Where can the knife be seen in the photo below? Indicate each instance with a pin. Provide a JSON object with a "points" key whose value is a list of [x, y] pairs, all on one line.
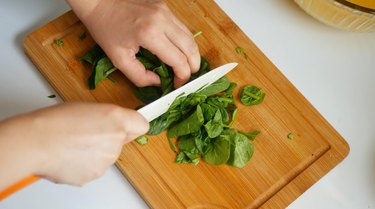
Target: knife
{"points": [[150, 112], [161, 105]]}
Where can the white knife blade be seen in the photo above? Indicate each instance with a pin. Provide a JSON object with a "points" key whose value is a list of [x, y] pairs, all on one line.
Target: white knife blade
{"points": [[161, 105]]}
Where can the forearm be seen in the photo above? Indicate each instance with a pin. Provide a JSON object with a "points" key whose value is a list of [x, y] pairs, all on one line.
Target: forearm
{"points": [[18, 158], [83, 7]]}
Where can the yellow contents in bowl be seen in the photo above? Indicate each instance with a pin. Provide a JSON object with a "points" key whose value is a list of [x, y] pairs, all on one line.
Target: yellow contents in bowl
{"points": [[370, 4], [352, 15]]}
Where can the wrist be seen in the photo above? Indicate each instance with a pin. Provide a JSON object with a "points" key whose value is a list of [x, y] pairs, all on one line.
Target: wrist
{"points": [[82, 8], [20, 155]]}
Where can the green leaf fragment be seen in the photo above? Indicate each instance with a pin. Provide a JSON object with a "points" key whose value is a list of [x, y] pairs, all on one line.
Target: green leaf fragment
{"points": [[239, 50], [251, 135], [142, 140], [59, 43], [198, 33], [290, 136], [82, 36]]}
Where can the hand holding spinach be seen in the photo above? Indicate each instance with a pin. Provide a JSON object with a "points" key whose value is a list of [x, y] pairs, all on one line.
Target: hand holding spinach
{"points": [[122, 27]]}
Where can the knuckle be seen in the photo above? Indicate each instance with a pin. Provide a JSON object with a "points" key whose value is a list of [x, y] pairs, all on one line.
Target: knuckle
{"points": [[148, 29], [194, 57], [181, 68], [116, 115], [119, 61], [181, 62], [192, 49]]}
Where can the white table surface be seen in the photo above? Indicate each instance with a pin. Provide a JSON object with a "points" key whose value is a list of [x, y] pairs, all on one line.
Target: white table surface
{"points": [[334, 70]]}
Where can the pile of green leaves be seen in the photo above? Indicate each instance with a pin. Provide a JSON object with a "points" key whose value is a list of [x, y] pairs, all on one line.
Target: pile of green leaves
{"points": [[200, 122]]}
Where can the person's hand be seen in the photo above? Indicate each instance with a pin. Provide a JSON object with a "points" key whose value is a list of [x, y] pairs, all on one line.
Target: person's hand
{"points": [[120, 27], [71, 143]]}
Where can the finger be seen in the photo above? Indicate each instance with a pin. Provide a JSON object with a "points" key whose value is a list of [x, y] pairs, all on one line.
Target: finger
{"points": [[172, 56], [184, 40], [181, 25], [135, 125], [125, 60]]}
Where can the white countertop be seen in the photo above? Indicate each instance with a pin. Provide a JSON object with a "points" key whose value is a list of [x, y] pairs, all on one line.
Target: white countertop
{"points": [[334, 70]]}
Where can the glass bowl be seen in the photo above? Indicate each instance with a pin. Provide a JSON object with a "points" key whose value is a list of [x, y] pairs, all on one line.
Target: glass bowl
{"points": [[351, 15]]}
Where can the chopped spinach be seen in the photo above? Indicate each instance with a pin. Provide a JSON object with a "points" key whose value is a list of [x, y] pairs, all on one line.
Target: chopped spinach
{"points": [[142, 140], [59, 43], [201, 122], [252, 95], [252, 135], [240, 50], [198, 33], [189, 125], [290, 136], [82, 36]]}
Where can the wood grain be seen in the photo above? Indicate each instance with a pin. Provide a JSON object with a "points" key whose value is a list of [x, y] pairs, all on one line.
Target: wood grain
{"points": [[280, 170]]}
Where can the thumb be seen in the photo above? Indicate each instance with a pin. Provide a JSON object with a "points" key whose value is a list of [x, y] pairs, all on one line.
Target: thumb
{"points": [[135, 124], [133, 69]]}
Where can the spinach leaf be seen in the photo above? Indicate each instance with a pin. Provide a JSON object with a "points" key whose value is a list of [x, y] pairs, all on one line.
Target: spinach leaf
{"points": [[217, 87], [147, 94], [252, 135], [187, 145], [215, 126], [204, 68], [149, 56], [94, 54], [165, 79], [241, 150], [252, 95], [191, 124], [103, 68], [149, 65], [217, 152], [208, 111], [201, 140], [229, 90]]}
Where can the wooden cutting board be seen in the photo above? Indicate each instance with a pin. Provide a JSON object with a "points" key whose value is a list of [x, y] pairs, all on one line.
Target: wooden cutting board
{"points": [[281, 168]]}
